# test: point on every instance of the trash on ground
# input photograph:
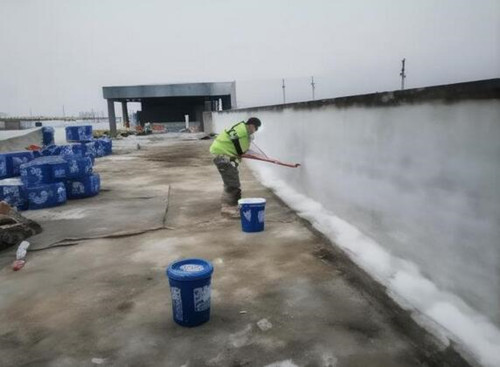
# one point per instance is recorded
(264, 324)
(21, 252)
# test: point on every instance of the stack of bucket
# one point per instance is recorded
(43, 179)
(85, 144)
(81, 181)
(12, 189)
(55, 173)
(62, 172)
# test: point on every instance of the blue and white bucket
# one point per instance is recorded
(46, 196)
(11, 161)
(83, 187)
(43, 170)
(252, 214)
(13, 192)
(48, 133)
(79, 133)
(78, 166)
(189, 281)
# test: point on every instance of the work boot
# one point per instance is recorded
(230, 211)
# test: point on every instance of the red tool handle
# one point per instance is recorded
(270, 160)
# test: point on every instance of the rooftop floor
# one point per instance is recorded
(106, 300)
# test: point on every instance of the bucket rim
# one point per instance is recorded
(199, 269)
(11, 181)
(251, 201)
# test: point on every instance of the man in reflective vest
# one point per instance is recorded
(227, 150)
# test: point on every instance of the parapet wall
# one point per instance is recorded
(418, 171)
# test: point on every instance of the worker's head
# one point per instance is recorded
(253, 124)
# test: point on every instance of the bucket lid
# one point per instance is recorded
(252, 201)
(72, 127)
(190, 269)
(15, 181)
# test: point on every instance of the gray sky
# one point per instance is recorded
(61, 52)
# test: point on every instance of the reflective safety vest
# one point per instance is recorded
(232, 142)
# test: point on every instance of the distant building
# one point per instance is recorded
(170, 103)
(11, 125)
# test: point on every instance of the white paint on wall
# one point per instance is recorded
(409, 192)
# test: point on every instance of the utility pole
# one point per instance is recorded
(64, 112)
(284, 97)
(403, 75)
(313, 86)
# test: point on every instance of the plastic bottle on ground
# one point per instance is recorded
(22, 250)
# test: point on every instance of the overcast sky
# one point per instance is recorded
(61, 52)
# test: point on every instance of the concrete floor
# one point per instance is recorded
(107, 301)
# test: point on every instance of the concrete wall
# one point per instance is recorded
(12, 125)
(418, 171)
(11, 141)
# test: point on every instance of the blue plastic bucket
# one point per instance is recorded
(108, 145)
(43, 170)
(79, 133)
(13, 192)
(46, 196)
(78, 166)
(48, 133)
(83, 187)
(13, 161)
(189, 281)
(252, 214)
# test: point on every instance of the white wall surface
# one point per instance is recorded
(420, 180)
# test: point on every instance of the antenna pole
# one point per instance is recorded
(284, 96)
(402, 74)
(313, 86)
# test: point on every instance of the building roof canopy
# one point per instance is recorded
(138, 92)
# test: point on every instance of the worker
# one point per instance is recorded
(227, 150)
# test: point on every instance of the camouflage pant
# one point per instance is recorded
(231, 178)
